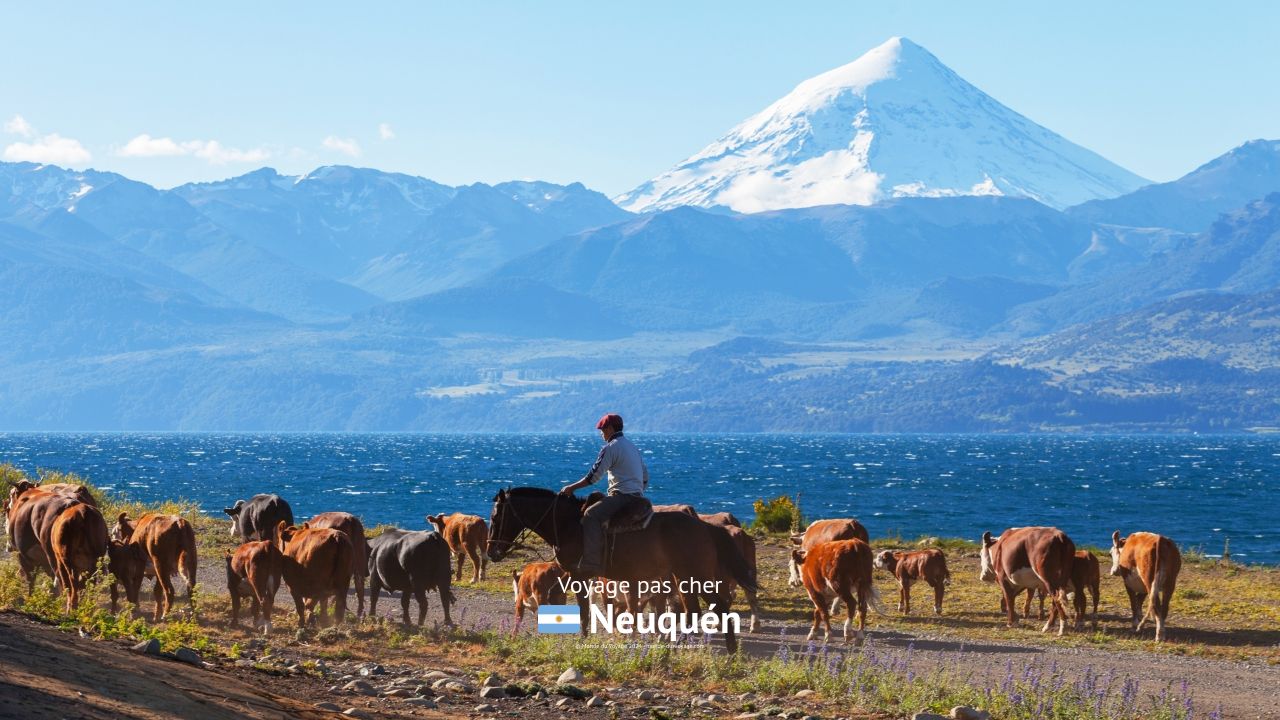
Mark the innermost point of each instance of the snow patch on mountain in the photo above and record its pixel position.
(896, 122)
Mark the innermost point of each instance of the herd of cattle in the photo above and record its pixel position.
(59, 529)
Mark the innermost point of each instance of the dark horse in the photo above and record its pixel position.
(674, 545)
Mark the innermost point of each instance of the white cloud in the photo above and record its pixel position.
(346, 146)
(211, 151)
(19, 126)
(385, 132)
(51, 148)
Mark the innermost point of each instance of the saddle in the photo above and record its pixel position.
(630, 520)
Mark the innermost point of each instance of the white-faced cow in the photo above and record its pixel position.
(838, 570)
(257, 518)
(1149, 565)
(1030, 557)
(820, 531)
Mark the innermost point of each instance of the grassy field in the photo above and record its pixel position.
(1221, 611)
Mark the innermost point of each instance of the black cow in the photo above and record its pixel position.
(411, 563)
(257, 518)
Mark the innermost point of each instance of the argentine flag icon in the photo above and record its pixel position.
(559, 619)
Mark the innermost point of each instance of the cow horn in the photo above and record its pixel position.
(1115, 538)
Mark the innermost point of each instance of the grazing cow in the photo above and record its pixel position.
(258, 518)
(466, 535)
(254, 571)
(536, 585)
(1030, 557)
(351, 525)
(29, 522)
(78, 540)
(840, 569)
(411, 563)
(820, 531)
(911, 567)
(1149, 564)
(127, 564)
(169, 543)
(316, 566)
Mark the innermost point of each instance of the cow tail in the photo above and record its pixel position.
(730, 558)
(1157, 587)
(187, 553)
(946, 575)
(873, 598)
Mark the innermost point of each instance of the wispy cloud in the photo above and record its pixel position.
(51, 148)
(19, 126)
(346, 146)
(385, 132)
(211, 151)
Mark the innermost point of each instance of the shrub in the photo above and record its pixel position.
(779, 515)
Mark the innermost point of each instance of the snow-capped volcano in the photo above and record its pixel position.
(895, 122)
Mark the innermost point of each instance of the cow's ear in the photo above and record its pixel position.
(306, 526)
(986, 539)
(232, 511)
(1115, 539)
(124, 517)
(797, 539)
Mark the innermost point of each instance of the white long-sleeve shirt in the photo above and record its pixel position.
(622, 461)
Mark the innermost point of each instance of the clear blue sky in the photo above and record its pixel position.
(606, 93)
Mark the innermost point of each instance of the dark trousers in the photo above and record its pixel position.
(593, 525)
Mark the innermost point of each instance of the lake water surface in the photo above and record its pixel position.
(1198, 490)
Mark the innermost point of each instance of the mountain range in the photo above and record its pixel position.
(992, 276)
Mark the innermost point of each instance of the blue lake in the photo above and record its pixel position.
(1199, 490)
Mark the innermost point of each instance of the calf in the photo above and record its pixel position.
(1149, 565)
(410, 563)
(537, 584)
(254, 571)
(316, 565)
(820, 531)
(77, 540)
(466, 534)
(258, 518)
(351, 525)
(169, 544)
(838, 570)
(1030, 557)
(127, 564)
(911, 567)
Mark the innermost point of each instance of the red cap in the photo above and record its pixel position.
(610, 420)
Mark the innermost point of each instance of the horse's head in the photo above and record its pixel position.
(504, 526)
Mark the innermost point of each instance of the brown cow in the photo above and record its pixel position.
(840, 570)
(351, 525)
(747, 546)
(537, 584)
(316, 565)
(466, 536)
(71, 490)
(910, 567)
(1030, 557)
(1149, 564)
(169, 543)
(254, 570)
(723, 519)
(820, 531)
(77, 540)
(127, 564)
(1084, 577)
(685, 508)
(29, 523)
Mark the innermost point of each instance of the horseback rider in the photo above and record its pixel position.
(628, 479)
